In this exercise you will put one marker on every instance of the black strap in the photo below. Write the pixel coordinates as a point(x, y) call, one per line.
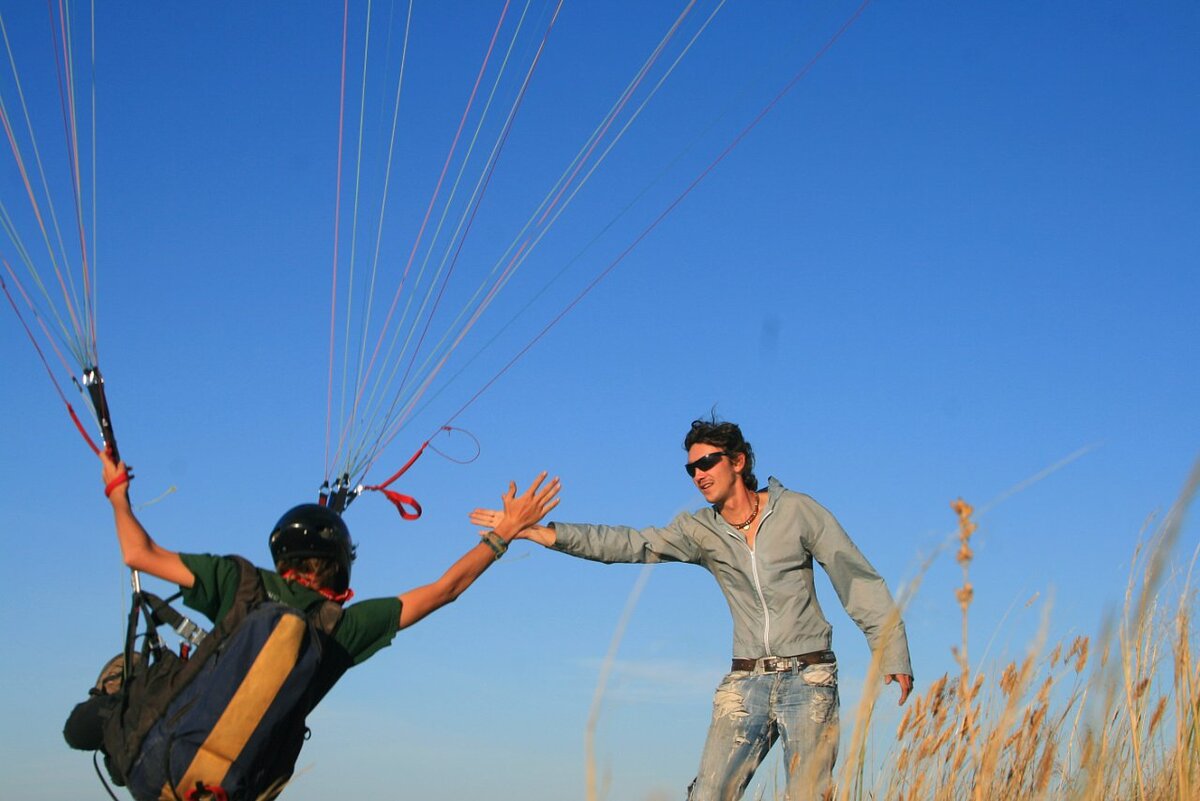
point(166, 615)
point(326, 616)
point(96, 765)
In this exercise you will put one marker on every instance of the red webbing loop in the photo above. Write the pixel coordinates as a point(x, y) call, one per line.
point(399, 499)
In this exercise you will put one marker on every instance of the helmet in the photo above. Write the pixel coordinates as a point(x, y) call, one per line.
point(314, 530)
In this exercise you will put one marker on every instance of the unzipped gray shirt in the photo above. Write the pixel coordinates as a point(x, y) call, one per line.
point(769, 588)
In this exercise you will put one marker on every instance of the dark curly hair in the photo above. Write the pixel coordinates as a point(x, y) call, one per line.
point(728, 437)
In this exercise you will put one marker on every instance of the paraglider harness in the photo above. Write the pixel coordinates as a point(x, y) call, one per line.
point(167, 730)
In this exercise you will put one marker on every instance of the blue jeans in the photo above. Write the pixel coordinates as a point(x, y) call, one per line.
point(750, 711)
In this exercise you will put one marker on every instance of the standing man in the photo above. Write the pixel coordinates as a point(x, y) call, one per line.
point(760, 546)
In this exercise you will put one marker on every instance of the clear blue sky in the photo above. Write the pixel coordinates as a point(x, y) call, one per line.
point(962, 249)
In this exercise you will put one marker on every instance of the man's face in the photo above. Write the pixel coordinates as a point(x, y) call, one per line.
point(716, 476)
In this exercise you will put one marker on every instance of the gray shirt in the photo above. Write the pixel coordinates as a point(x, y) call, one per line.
point(769, 588)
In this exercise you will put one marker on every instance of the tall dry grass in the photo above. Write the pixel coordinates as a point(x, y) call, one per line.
point(1115, 717)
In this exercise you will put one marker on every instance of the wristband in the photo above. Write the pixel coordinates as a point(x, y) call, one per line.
point(494, 541)
point(122, 478)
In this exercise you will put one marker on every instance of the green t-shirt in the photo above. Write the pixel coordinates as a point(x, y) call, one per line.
point(365, 627)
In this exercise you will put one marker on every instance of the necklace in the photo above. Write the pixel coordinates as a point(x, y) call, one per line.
point(750, 519)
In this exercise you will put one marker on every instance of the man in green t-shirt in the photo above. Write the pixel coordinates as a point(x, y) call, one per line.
point(312, 551)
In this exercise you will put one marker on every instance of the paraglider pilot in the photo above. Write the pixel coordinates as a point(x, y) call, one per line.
point(312, 553)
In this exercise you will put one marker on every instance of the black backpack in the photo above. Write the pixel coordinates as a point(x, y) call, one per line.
point(228, 721)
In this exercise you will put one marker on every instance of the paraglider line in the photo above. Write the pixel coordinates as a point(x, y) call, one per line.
point(66, 96)
point(438, 187)
point(670, 207)
point(393, 418)
point(479, 197)
point(337, 208)
point(46, 365)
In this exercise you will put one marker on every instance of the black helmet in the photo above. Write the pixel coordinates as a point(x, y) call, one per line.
point(314, 530)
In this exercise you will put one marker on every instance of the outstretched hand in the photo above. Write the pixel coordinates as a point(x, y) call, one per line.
point(525, 510)
point(518, 519)
point(519, 511)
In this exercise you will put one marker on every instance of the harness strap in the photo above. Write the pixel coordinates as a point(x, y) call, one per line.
point(184, 627)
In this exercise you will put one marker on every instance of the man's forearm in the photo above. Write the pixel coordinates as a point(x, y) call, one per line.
point(140, 552)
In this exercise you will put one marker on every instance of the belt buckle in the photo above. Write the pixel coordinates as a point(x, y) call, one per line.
point(774, 664)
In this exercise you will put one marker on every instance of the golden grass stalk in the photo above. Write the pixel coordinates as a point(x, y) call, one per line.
point(1114, 718)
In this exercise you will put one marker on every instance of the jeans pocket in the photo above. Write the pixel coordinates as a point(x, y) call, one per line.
point(729, 701)
point(821, 681)
point(822, 675)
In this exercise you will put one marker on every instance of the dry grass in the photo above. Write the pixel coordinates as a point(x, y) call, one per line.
point(1113, 717)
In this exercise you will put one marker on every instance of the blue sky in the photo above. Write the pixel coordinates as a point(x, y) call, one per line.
point(960, 251)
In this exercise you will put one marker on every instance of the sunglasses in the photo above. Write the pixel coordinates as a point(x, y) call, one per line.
point(705, 463)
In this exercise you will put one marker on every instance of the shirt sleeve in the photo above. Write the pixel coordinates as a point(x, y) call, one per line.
point(216, 581)
point(368, 626)
point(860, 588)
point(611, 544)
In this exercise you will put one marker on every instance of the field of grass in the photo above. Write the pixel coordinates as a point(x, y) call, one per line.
point(1110, 717)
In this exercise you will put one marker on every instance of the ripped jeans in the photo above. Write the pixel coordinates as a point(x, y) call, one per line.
point(751, 710)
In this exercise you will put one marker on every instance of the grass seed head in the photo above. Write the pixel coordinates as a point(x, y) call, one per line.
point(1079, 650)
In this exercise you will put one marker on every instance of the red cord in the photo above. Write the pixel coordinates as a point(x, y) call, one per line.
point(84, 432)
point(399, 499)
point(122, 478)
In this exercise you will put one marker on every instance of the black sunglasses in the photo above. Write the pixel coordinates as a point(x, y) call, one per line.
point(705, 463)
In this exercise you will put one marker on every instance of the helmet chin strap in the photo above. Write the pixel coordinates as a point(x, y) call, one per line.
point(310, 581)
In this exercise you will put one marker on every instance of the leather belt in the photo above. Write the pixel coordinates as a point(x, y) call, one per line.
point(781, 664)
